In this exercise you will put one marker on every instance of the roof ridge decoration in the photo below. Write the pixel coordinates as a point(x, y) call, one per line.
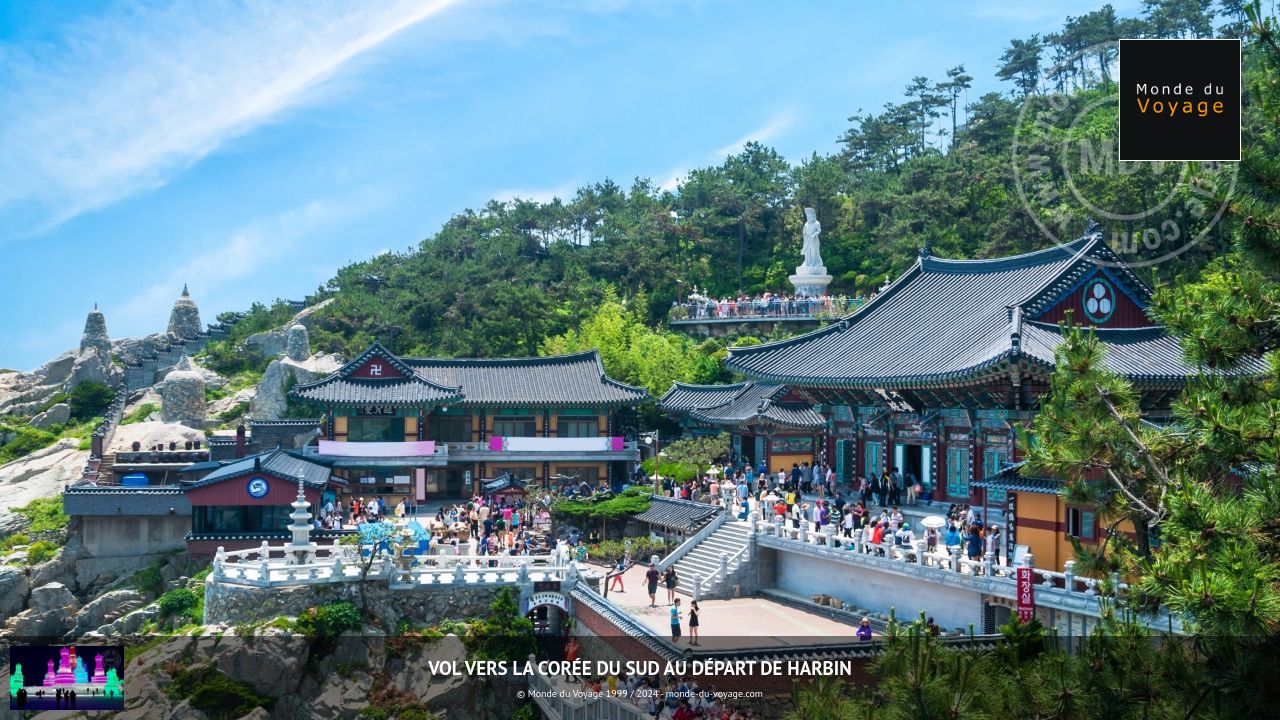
point(378, 350)
point(1095, 257)
point(524, 360)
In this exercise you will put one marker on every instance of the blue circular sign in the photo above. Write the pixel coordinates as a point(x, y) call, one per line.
point(258, 487)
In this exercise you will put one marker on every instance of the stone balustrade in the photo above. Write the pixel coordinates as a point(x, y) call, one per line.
point(297, 565)
point(1063, 590)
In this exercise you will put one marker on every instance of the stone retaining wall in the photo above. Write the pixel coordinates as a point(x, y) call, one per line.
point(238, 604)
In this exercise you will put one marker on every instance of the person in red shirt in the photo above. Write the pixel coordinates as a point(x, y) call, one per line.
point(780, 508)
point(683, 712)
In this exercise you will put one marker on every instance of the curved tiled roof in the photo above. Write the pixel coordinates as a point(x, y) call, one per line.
point(280, 463)
point(1142, 354)
point(954, 321)
point(341, 388)
point(673, 513)
point(755, 405)
point(404, 391)
point(556, 380)
point(683, 397)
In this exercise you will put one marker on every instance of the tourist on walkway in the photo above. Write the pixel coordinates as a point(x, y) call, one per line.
point(652, 577)
point(618, 569)
point(952, 539)
point(693, 622)
point(974, 543)
point(846, 524)
point(993, 542)
point(675, 621)
point(931, 539)
point(913, 488)
point(864, 630)
point(669, 579)
point(895, 486)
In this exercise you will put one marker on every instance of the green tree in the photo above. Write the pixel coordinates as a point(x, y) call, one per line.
point(90, 398)
point(698, 452)
point(1021, 64)
point(504, 634)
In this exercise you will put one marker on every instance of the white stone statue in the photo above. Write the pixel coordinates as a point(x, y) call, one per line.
point(811, 278)
point(812, 245)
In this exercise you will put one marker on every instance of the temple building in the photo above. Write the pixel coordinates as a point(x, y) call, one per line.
point(239, 504)
point(940, 374)
point(418, 428)
point(766, 423)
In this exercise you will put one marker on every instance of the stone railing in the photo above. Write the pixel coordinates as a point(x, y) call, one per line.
point(944, 561)
point(287, 565)
point(692, 541)
point(1061, 590)
point(728, 565)
point(561, 700)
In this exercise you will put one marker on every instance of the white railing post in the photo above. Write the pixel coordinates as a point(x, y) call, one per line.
point(804, 532)
point(697, 588)
point(955, 559)
point(218, 558)
point(921, 546)
point(988, 559)
point(459, 575)
point(1069, 576)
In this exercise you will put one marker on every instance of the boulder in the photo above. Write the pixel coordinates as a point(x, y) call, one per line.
point(270, 343)
point(107, 608)
point(57, 415)
point(270, 401)
point(226, 404)
point(93, 363)
point(151, 433)
point(13, 591)
point(41, 474)
point(31, 625)
point(52, 596)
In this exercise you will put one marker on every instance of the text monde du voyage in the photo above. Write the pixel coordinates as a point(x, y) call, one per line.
point(1181, 99)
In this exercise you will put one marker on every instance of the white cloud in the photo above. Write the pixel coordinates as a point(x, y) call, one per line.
point(129, 99)
point(246, 251)
point(564, 191)
point(771, 129)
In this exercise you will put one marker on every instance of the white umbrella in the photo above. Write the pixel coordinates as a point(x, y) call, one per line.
point(714, 471)
point(934, 521)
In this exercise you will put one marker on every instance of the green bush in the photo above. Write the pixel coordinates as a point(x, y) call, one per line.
point(44, 514)
point(41, 551)
point(14, 540)
point(641, 548)
point(141, 413)
point(148, 579)
point(26, 441)
point(328, 621)
point(177, 601)
point(90, 398)
point(214, 694)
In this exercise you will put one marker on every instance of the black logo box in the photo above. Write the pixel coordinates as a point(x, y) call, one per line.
point(1186, 69)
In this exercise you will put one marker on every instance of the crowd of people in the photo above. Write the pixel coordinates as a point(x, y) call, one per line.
point(766, 305)
point(748, 492)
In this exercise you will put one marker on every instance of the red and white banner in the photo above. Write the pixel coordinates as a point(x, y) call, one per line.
point(1026, 595)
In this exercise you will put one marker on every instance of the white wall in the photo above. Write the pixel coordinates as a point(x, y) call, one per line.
point(866, 588)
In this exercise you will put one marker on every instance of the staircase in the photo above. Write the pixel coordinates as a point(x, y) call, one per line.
point(104, 467)
point(704, 560)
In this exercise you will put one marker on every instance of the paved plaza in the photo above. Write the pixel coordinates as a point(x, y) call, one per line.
point(733, 623)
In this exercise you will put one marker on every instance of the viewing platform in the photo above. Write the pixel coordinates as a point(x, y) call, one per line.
point(709, 317)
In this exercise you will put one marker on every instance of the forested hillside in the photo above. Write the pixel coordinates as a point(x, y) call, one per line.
point(931, 170)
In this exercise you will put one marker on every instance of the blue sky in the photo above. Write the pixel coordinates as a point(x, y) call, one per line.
point(252, 149)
